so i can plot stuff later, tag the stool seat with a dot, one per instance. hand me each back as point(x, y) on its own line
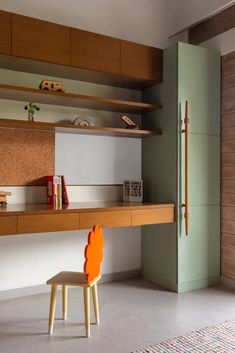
point(87, 279)
point(71, 278)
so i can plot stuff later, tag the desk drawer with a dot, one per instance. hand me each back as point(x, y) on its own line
point(153, 216)
point(48, 223)
point(8, 225)
point(105, 219)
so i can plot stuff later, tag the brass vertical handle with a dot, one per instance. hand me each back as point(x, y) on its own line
point(186, 205)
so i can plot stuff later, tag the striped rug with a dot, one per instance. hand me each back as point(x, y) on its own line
point(218, 338)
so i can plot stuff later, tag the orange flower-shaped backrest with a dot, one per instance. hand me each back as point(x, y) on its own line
point(93, 253)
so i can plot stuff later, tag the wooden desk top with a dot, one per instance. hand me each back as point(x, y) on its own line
point(20, 209)
point(28, 218)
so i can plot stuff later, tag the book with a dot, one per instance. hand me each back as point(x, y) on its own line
point(54, 190)
point(65, 199)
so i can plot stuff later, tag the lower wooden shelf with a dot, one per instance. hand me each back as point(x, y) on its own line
point(69, 128)
point(23, 219)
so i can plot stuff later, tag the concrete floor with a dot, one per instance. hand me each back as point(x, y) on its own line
point(134, 314)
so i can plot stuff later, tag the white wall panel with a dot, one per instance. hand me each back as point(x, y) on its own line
point(87, 159)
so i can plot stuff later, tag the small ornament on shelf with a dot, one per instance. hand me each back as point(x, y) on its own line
point(130, 123)
point(54, 86)
point(3, 198)
point(31, 107)
point(133, 190)
point(83, 121)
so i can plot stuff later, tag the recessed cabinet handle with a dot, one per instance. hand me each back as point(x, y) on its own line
point(186, 204)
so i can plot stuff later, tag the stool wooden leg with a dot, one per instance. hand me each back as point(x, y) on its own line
point(87, 309)
point(52, 308)
point(64, 300)
point(95, 303)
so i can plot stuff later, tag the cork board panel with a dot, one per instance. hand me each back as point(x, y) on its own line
point(26, 157)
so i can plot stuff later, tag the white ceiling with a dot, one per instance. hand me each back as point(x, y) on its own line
point(145, 21)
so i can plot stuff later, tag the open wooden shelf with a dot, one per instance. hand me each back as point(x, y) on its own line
point(74, 100)
point(69, 128)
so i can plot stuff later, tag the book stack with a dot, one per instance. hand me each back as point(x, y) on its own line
point(56, 191)
point(3, 197)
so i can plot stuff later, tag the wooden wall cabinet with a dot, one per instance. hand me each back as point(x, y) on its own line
point(40, 40)
point(141, 61)
point(94, 51)
point(5, 32)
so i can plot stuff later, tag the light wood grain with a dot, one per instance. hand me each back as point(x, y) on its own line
point(75, 100)
point(72, 278)
point(141, 61)
point(8, 225)
point(44, 218)
point(141, 217)
point(48, 223)
point(5, 32)
point(40, 40)
point(105, 219)
point(95, 51)
point(72, 129)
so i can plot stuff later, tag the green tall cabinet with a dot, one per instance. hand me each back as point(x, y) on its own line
point(169, 257)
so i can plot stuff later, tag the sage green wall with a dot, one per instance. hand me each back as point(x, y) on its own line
point(169, 258)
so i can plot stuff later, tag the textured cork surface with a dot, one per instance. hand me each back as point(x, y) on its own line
point(26, 157)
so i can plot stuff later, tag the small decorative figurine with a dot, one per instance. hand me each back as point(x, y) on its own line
point(129, 122)
point(3, 198)
point(54, 86)
point(31, 107)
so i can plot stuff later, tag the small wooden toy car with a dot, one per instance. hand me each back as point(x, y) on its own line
point(54, 86)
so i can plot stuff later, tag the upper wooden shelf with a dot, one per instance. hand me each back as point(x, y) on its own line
point(70, 128)
point(74, 100)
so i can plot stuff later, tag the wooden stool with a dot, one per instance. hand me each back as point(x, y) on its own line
point(87, 279)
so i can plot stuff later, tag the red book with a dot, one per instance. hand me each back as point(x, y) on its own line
point(53, 184)
point(65, 199)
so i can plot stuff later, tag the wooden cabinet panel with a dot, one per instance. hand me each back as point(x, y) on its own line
point(48, 223)
point(151, 216)
point(105, 219)
point(5, 32)
point(40, 40)
point(141, 61)
point(8, 225)
point(94, 51)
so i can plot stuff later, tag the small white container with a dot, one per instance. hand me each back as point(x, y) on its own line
point(133, 190)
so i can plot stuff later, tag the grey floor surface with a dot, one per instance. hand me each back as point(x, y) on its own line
point(134, 314)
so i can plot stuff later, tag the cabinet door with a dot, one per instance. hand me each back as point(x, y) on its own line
point(5, 32)
point(199, 83)
point(40, 40)
point(204, 169)
point(95, 52)
point(141, 61)
point(199, 253)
